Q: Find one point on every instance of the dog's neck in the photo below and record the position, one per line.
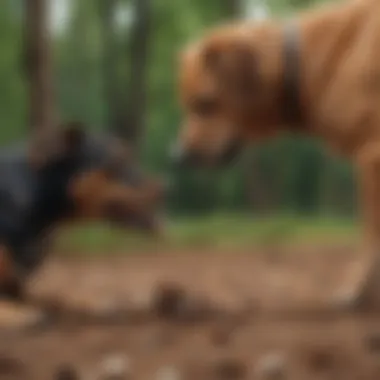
(292, 108)
(321, 38)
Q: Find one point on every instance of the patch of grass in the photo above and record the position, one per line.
(214, 231)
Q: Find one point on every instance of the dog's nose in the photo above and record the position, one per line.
(181, 157)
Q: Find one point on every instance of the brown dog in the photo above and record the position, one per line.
(318, 75)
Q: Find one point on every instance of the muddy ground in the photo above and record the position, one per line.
(193, 315)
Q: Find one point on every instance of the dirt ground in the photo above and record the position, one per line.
(192, 315)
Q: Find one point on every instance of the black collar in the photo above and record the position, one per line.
(292, 107)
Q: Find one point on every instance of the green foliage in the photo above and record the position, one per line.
(12, 89)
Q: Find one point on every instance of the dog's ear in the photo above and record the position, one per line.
(65, 141)
(234, 64)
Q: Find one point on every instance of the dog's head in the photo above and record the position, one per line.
(225, 96)
(97, 176)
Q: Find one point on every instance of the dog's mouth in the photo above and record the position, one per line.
(230, 153)
(193, 158)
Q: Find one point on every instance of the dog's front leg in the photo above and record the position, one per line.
(11, 286)
(368, 164)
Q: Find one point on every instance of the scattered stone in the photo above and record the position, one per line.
(169, 301)
(229, 369)
(116, 367)
(168, 373)
(66, 372)
(372, 342)
(271, 367)
(321, 361)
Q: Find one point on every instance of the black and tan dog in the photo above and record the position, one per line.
(71, 175)
(318, 75)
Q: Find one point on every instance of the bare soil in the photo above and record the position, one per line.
(193, 315)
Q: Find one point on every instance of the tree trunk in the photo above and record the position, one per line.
(135, 120)
(38, 66)
(112, 93)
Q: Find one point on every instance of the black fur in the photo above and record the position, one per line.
(33, 201)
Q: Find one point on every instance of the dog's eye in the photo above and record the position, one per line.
(205, 106)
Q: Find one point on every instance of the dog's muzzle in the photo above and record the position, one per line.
(180, 157)
(190, 158)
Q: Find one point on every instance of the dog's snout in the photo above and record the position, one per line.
(183, 158)
(176, 153)
(230, 153)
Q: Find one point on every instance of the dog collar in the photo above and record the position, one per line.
(292, 108)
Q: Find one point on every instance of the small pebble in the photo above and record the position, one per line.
(66, 372)
(116, 367)
(169, 301)
(168, 373)
(271, 367)
(321, 360)
(230, 369)
(372, 342)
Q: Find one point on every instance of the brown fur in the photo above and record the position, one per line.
(339, 54)
(95, 192)
(100, 192)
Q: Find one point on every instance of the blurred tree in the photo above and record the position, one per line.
(38, 65)
(79, 72)
(136, 108)
(110, 55)
(12, 89)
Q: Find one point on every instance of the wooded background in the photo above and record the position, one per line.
(112, 64)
